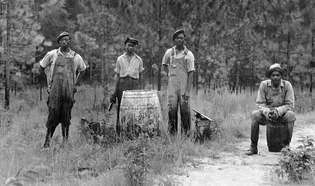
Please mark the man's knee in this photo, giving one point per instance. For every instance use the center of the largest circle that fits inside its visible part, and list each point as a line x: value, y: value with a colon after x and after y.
x: 256, y: 115
x: 289, y: 116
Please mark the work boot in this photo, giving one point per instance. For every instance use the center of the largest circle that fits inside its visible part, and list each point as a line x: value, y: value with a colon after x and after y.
x: 251, y: 151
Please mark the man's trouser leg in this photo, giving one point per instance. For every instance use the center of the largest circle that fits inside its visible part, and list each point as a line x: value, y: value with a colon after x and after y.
x: 119, y: 96
x: 172, y: 112
x: 257, y: 118
x: 51, y: 124
x: 185, y: 115
x: 65, y: 118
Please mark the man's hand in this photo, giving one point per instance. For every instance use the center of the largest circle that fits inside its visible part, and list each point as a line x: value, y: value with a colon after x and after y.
x: 74, y: 90
x: 185, y: 97
x: 113, y: 98
x: 265, y: 112
x: 273, y: 114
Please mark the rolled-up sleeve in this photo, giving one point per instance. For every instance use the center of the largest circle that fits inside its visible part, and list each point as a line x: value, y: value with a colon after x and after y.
x: 190, y: 62
x: 166, y: 57
x: 141, y: 68
x: 288, y: 100
x: 80, y: 63
x: 117, y: 66
x: 261, y: 97
x: 47, y: 60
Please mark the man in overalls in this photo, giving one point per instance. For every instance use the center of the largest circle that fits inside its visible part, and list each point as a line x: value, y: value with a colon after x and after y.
x: 129, y: 67
x: 63, y: 67
x: 179, y: 64
x: 275, y: 101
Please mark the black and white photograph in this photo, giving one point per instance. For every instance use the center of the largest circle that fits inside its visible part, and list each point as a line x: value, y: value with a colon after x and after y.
x: 157, y: 92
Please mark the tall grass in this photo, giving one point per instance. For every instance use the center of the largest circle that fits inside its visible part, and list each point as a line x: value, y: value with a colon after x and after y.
x: 22, y: 131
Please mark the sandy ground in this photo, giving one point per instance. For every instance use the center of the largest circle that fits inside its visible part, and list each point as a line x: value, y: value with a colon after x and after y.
x: 236, y: 168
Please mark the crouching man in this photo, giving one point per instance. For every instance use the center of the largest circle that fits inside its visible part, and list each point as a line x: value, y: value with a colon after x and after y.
x: 275, y: 101
x: 64, y: 67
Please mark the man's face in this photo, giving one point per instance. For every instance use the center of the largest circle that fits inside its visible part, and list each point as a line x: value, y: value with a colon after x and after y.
x: 130, y: 47
x: 179, y: 40
x: 275, y: 78
x: 65, y: 41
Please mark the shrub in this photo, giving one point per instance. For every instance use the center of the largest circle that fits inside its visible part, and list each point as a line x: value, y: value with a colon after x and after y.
x: 295, y: 165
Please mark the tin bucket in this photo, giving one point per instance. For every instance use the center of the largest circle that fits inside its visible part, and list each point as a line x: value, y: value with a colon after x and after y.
x: 140, y: 111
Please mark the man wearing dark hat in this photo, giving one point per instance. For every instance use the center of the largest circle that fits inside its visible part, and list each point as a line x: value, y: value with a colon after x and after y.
x: 63, y: 67
x: 179, y: 65
x: 129, y: 67
x: 275, y: 101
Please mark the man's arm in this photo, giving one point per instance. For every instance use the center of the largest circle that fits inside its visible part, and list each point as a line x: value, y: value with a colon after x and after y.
x: 165, y: 63
x: 115, y: 93
x: 80, y: 70
x: 165, y: 69
x: 141, y: 69
x: 43, y: 64
x: 190, y: 59
x: 116, y: 80
x: 261, y: 100
x: 189, y: 83
x: 288, y: 100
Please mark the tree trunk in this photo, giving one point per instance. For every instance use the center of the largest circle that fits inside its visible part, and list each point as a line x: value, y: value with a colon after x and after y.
x: 197, y: 43
x: 288, y: 58
x: 252, y: 86
x: 7, y: 62
x: 160, y: 48
x: 237, y: 81
x: 313, y: 54
x: 91, y: 69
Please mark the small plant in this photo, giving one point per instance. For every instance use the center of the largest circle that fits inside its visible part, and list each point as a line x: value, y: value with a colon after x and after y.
x: 295, y: 165
x: 138, y: 156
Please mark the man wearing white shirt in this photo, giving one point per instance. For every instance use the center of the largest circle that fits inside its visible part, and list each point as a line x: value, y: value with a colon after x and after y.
x: 129, y: 67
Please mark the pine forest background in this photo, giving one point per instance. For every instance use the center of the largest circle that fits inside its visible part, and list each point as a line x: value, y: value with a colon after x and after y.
x: 233, y: 41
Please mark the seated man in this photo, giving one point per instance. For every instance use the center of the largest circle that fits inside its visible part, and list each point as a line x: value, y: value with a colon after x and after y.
x: 275, y: 101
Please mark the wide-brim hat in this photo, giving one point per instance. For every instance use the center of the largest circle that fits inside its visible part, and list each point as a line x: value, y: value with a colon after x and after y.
x: 177, y: 32
x: 63, y: 34
x: 274, y: 67
x: 131, y: 40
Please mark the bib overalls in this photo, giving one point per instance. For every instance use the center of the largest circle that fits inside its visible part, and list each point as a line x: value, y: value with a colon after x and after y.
x: 61, y: 97
x: 178, y: 74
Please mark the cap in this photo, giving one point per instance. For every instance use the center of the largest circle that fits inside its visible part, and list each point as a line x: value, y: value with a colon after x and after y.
x: 274, y: 67
x: 177, y: 32
x: 63, y: 34
x: 131, y: 40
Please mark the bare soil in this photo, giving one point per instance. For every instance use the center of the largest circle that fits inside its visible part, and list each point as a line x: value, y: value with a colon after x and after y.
x: 237, y: 169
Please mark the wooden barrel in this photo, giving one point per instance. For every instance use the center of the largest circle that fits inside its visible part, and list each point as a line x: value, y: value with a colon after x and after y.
x: 140, y: 111
x: 277, y: 136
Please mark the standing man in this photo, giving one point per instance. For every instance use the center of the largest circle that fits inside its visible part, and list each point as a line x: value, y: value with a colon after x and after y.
x: 129, y: 67
x: 63, y: 69
x: 179, y: 64
x: 275, y: 101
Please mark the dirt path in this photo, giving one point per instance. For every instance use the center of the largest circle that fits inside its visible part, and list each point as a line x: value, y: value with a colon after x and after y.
x: 237, y: 169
